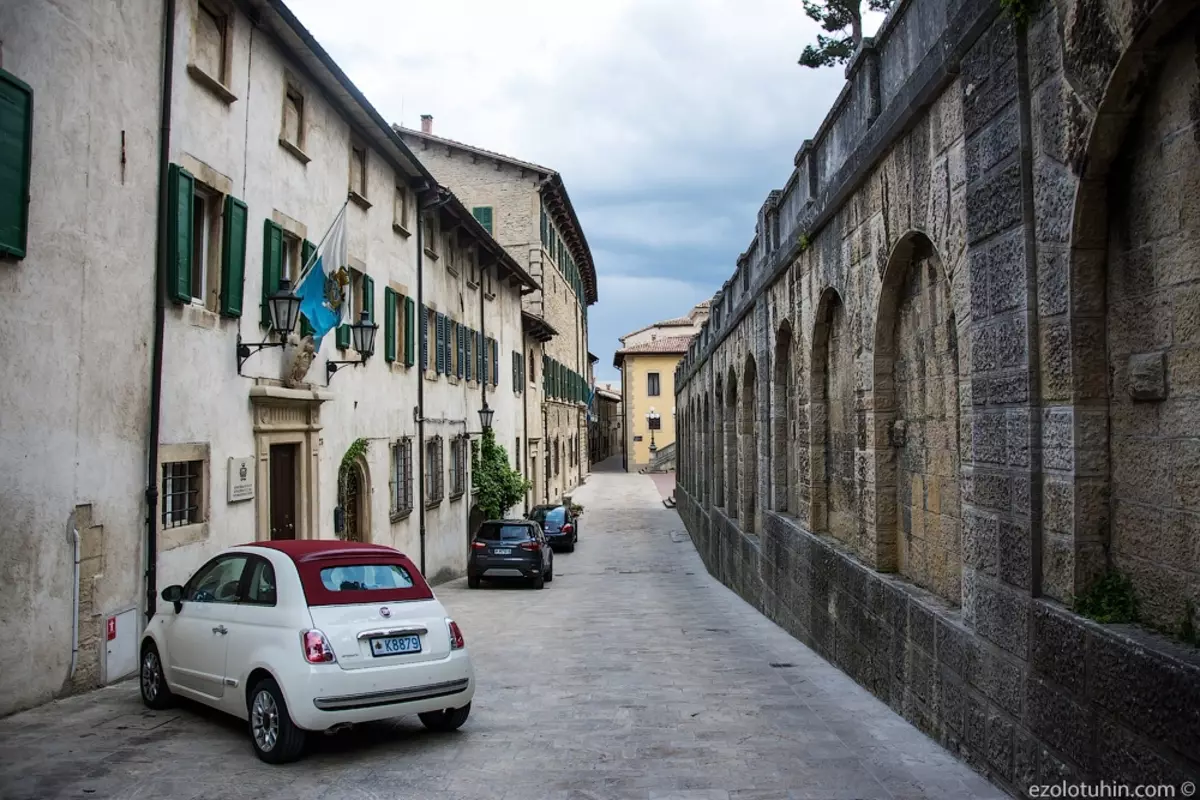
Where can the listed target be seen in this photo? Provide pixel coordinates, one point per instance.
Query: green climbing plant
(498, 486)
(1109, 599)
(356, 450)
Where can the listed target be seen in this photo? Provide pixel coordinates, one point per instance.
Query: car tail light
(316, 648)
(457, 642)
(477, 545)
(529, 546)
(567, 528)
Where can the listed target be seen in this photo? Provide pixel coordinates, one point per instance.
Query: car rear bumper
(557, 539)
(330, 695)
(487, 566)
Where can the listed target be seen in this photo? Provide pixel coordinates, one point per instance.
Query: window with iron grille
(181, 493)
(402, 476)
(435, 486)
(458, 466)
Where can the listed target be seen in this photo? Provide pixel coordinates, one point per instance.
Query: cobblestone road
(633, 675)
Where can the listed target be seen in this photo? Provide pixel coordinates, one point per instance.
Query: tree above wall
(842, 18)
(499, 487)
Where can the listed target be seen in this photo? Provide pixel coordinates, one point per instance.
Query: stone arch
(917, 510)
(748, 447)
(831, 421)
(354, 499)
(706, 465)
(1120, 426)
(718, 438)
(783, 423)
(732, 470)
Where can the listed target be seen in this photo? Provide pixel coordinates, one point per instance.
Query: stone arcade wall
(955, 377)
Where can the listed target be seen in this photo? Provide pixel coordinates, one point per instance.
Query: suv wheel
(550, 572)
(276, 738)
(539, 580)
(472, 581)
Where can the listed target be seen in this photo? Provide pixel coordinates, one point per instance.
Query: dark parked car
(560, 526)
(513, 548)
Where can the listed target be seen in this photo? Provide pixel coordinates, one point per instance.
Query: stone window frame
(217, 85)
(358, 150)
(402, 202)
(435, 482)
(653, 384)
(292, 89)
(215, 187)
(178, 536)
(400, 488)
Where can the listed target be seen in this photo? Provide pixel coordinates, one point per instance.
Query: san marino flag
(324, 288)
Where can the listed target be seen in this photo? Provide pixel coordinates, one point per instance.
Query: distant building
(526, 208)
(647, 361)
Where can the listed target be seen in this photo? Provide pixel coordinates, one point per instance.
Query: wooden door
(283, 491)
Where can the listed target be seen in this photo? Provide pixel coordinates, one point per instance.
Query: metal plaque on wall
(241, 479)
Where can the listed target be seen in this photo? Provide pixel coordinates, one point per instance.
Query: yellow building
(647, 361)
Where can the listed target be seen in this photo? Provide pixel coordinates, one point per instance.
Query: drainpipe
(160, 315)
(546, 451)
(525, 423)
(487, 362)
(75, 604)
(624, 422)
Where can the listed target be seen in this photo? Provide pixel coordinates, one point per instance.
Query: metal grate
(181, 493)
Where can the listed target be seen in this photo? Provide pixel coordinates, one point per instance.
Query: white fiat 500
(308, 635)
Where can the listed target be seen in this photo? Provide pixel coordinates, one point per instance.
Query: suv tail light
(457, 642)
(568, 528)
(478, 545)
(316, 647)
(533, 546)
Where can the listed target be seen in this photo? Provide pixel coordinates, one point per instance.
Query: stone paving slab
(634, 674)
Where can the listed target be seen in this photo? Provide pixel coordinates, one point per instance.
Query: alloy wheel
(264, 721)
(150, 675)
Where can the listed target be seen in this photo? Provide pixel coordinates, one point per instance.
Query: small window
(652, 387)
(260, 590)
(434, 485)
(400, 209)
(484, 216)
(497, 532)
(365, 578)
(429, 236)
(532, 369)
(217, 581)
(292, 252)
(458, 466)
(401, 484)
(293, 117)
(212, 41)
(16, 146)
(473, 266)
(358, 170)
(182, 493)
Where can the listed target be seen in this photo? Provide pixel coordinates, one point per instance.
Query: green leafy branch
(498, 486)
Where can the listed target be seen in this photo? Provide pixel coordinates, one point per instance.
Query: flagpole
(312, 259)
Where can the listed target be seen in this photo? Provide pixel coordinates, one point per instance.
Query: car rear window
(549, 514)
(497, 533)
(365, 577)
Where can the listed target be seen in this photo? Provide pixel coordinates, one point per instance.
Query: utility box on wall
(121, 638)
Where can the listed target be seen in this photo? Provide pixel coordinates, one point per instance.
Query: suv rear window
(548, 514)
(495, 533)
(365, 577)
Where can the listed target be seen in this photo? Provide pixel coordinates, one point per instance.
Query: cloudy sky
(669, 120)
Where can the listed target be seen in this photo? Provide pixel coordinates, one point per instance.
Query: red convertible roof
(307, 549)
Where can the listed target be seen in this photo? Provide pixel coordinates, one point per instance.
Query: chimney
(427, 123)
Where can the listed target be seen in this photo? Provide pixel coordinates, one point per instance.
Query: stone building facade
(951, 384)
(141, 411)
(527, 209)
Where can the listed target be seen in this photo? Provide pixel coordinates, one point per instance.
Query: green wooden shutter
(545, 375)
(449, 345)
(389, 324)
(182, 187)
(16, 149)
(272, 266)
(306, 251)
(368, 304)
(424, 338)
(495, 363)
(440, 344)
(462, 341)
(233, 257)
(484, 215)
(467, 350)
(342, 337)
(409, 331)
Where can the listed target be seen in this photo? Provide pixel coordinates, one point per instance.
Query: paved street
(633, 675)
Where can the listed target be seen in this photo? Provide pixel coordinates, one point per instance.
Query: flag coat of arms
(324, 287)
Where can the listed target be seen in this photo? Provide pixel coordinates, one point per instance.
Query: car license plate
(505, 552)
(395, 645)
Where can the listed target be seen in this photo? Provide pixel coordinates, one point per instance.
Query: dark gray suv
(510, 548)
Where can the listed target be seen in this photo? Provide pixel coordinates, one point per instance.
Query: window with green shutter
(468, 335)
(409, 330)
(424, 338)
(273, 269)
(545, 375)
(495, 363)
(389, 324)
(233, 257)
(484, 215)
(461, 344)
(439, 345)
(306, 252)
(368, 304)
(182, 188)
(16, 149)
(342, 337)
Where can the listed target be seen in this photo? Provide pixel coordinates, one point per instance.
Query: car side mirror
(174, 594)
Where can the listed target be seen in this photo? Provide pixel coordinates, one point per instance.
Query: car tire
(570, 548)
(450, 719)
(539, 580)
(155, 692)
(275, 737)
(550, 572)
(472, 581)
